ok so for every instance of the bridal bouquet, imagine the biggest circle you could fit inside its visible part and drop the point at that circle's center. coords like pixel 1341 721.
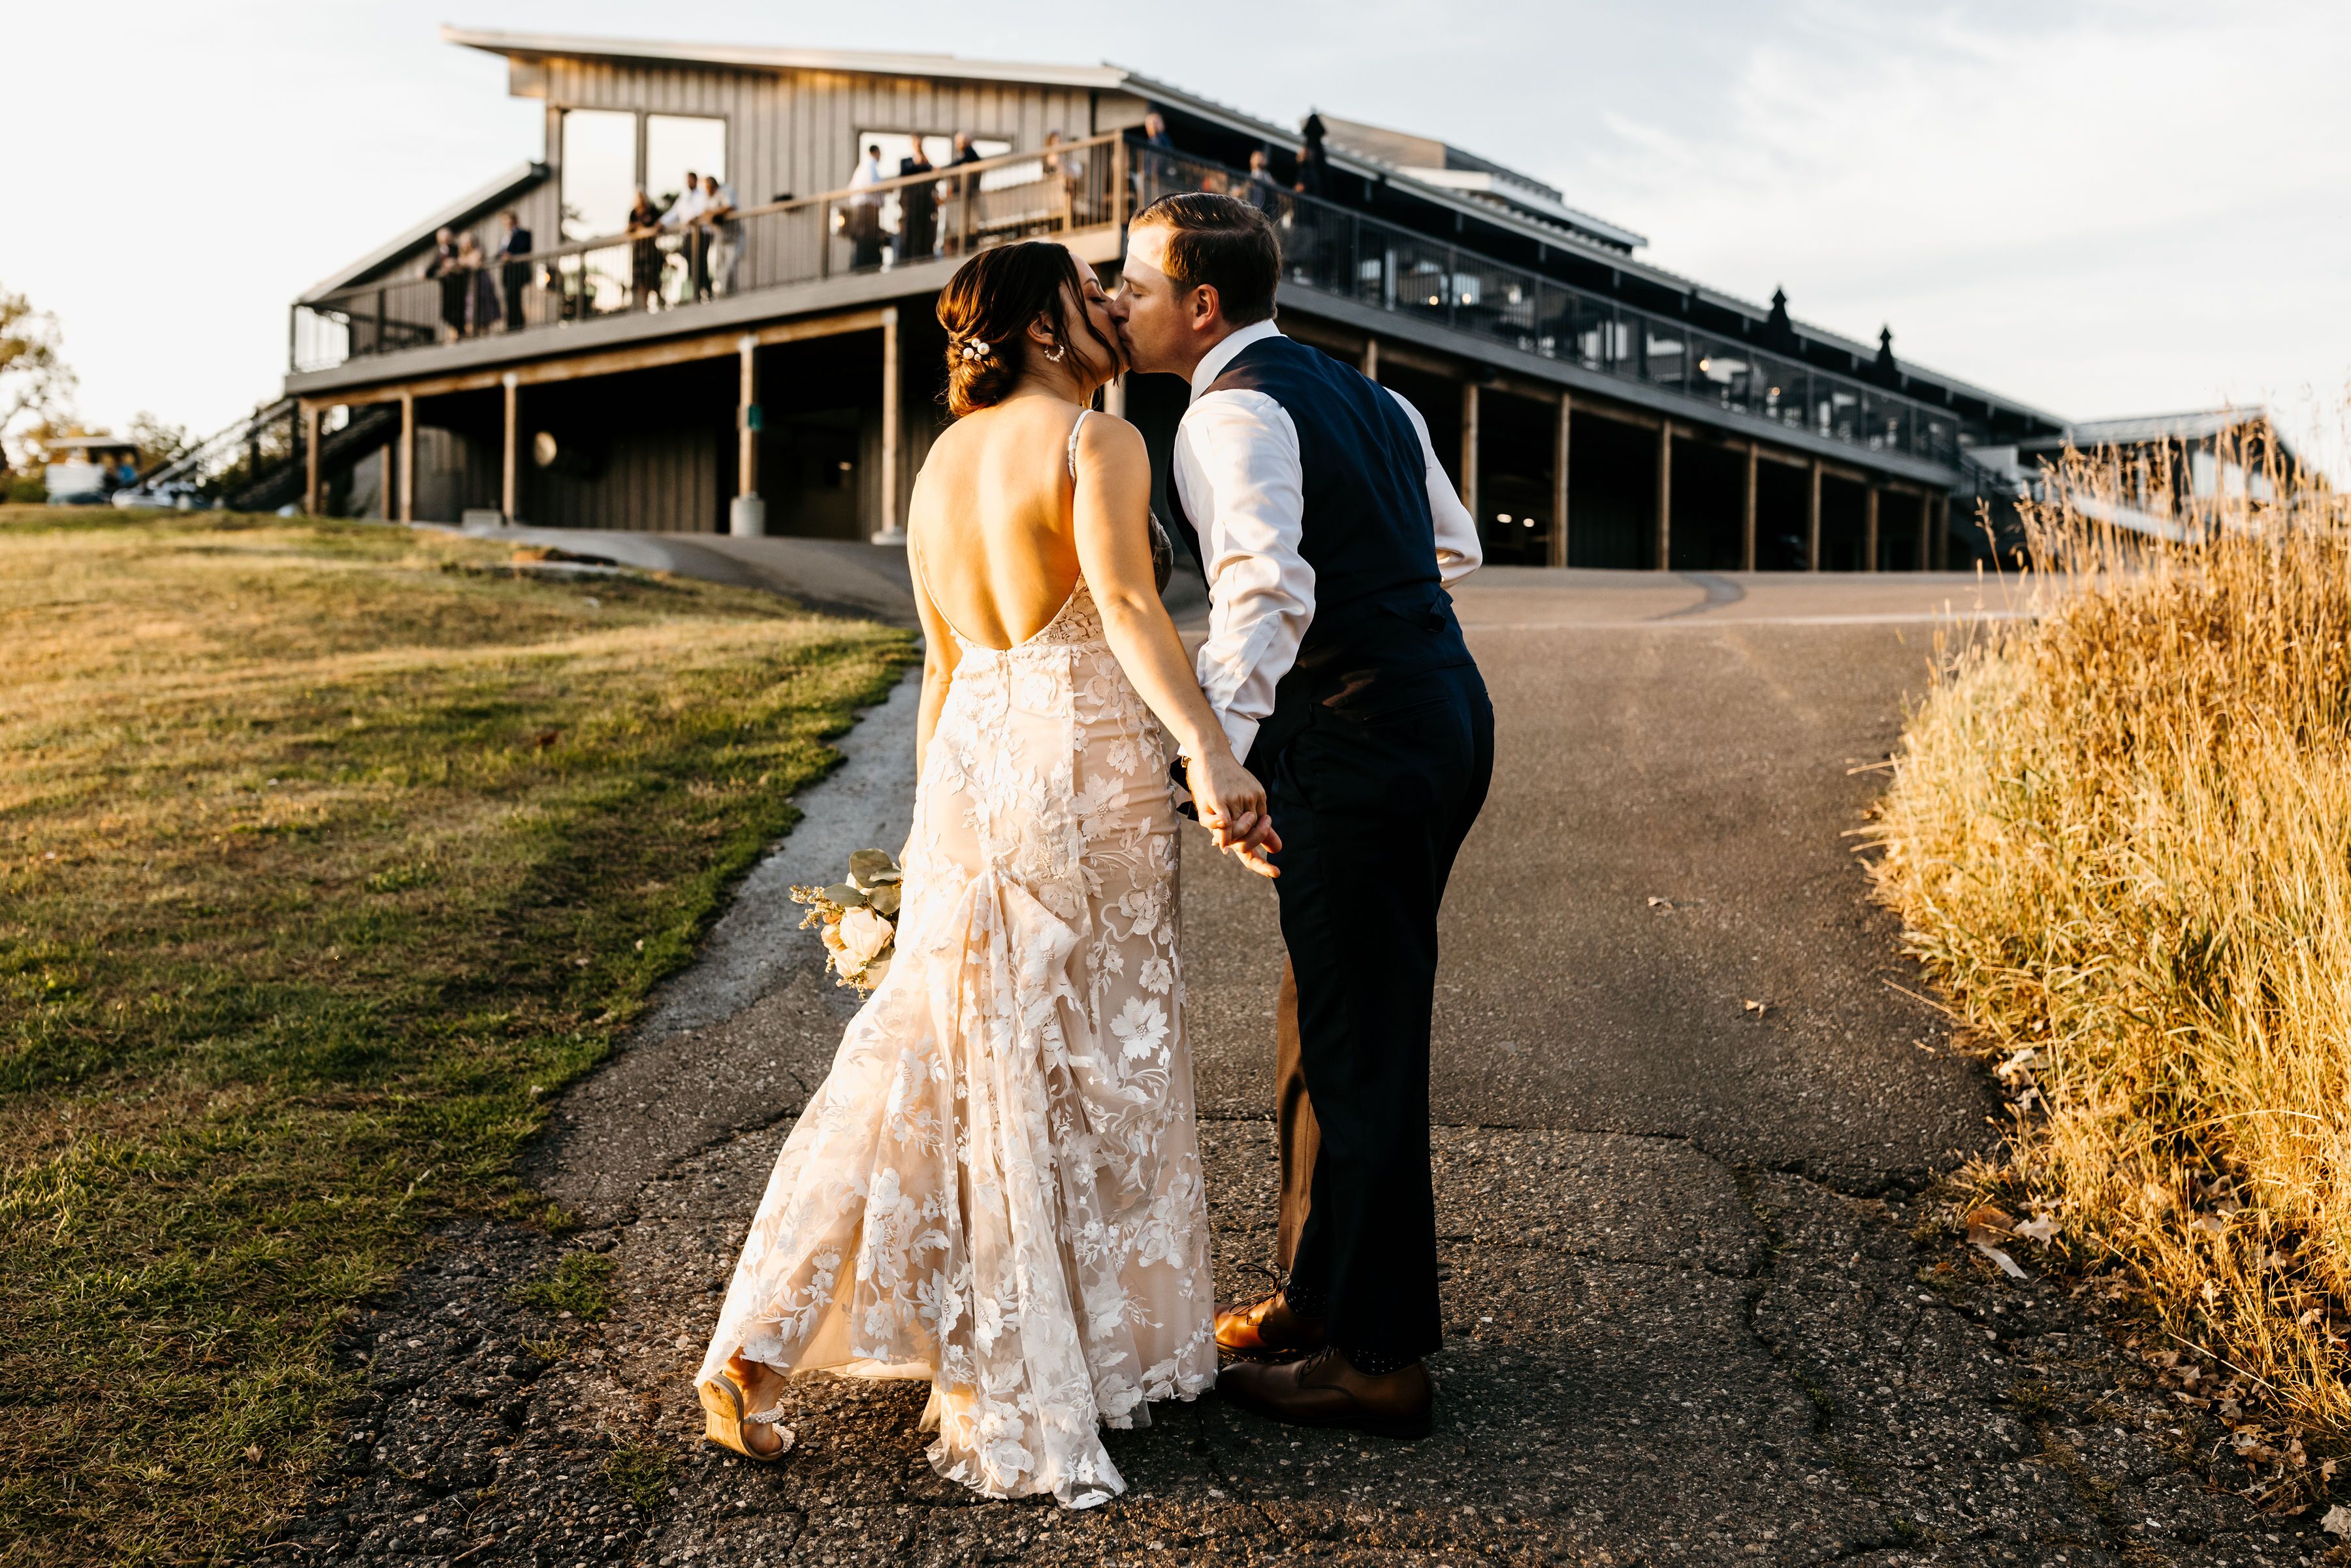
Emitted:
pixel 859 917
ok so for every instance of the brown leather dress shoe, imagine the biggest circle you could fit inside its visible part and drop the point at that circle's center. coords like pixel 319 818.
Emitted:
pixel 1324 1390
pixel 1267 1330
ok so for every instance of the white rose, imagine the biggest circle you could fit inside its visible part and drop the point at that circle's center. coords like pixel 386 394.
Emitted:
pixel 863 935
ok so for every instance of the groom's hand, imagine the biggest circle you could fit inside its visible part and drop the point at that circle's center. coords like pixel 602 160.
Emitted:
pixel 1230 801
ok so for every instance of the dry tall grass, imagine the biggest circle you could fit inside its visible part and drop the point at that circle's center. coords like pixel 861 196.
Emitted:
pixel 2120 836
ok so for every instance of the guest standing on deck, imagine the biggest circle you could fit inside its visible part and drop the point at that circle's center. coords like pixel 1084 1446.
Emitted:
pixel 514 276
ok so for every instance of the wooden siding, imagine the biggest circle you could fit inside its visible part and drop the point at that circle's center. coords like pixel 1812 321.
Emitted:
pixel 788 133
pixel 796 132
pixel 662 481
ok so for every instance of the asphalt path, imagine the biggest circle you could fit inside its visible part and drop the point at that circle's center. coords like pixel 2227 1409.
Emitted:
pixel 1688 1097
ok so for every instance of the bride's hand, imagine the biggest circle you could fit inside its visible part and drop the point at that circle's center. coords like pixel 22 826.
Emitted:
pixel 1256 852
pixel 1229 800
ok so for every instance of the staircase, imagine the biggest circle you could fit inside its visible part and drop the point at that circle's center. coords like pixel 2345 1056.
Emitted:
pixel 258 462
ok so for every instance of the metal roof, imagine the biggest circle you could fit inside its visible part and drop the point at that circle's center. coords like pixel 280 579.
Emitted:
pixel 872 62
pixel 458 214
pixel 2197 425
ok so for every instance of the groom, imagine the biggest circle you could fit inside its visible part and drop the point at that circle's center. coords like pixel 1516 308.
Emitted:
pixel 1328 532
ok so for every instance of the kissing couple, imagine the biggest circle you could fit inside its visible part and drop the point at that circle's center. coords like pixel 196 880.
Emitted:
pixel 999 1186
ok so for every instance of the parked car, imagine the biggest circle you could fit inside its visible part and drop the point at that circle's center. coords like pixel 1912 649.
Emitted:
pixel 170 495
pixel 85 470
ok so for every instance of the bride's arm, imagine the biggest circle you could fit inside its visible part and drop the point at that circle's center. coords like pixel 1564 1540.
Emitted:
pixel 1113 500
pixel 938 665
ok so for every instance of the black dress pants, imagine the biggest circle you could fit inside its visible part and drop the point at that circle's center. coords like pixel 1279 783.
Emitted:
pixel 1373 800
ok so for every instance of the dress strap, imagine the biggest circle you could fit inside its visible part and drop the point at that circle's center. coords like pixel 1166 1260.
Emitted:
pixel 1073 440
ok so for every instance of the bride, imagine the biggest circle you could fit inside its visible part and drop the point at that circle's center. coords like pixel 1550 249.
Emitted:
pixel 999 1186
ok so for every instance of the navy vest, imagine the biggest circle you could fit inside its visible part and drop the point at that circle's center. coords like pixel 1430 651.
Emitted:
pixel 1381 612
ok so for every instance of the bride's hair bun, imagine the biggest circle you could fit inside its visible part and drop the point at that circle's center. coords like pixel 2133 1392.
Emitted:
pixel 988 308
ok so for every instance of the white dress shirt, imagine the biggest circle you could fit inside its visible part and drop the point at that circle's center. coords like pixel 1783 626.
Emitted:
pixel 1240 479
pixel 686 209
pixel 869 172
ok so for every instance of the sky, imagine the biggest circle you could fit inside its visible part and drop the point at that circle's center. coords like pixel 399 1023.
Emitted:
pixel 2098 207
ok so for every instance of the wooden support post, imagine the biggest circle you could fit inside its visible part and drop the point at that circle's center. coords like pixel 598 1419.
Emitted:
pixel 889 533
pixel 1869 528
pixel 1926 535
pixel 746 438
pixel 1470 452
pixel 310 497
pixel 509 471
pixel 1943 533
pixel 1747 515
pixel 1371 358
pixel 407 462
pixel 746 514
pixel 1812 523
pixel 1120 180
pixel 1559 484
pixel 1665 494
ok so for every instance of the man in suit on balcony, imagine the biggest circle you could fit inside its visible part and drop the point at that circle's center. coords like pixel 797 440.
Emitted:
pixel 514 274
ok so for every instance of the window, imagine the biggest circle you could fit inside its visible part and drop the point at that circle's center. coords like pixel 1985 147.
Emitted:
pixel 897 144
pixel 677 145
pixel 600 166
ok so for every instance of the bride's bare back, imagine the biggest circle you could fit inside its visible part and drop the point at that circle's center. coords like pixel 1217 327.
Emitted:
pixel 990 524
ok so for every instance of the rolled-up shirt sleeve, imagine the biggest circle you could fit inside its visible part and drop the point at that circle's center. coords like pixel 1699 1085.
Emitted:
pixel 1458 551
pixel 1238 471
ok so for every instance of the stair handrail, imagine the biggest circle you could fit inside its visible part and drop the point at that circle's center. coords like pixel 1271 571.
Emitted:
pixel 204 454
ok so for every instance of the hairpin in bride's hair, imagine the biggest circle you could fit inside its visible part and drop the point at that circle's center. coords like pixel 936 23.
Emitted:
pixel 975 349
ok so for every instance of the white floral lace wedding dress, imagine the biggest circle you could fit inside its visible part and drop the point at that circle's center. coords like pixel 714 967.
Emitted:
pixel 999 1186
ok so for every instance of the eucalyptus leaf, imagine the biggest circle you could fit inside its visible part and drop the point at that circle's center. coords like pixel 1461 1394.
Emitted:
pixel 845 895
pixel 885 899
pixel 869 867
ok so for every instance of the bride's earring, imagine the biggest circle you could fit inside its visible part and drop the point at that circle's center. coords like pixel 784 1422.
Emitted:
pixel 1056 355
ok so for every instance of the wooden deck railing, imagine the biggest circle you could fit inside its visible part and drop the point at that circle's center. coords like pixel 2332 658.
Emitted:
pixel 952 211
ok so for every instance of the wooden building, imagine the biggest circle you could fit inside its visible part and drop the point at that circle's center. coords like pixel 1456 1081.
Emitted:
pixel 782 373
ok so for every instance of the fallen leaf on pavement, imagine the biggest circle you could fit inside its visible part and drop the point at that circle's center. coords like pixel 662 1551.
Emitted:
pixel 1758 1009
pixel 2007 1264
pixel 1988 1224
pixel 2041 1228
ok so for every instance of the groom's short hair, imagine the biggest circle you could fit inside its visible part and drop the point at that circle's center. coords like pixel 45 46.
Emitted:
pixel 1223 242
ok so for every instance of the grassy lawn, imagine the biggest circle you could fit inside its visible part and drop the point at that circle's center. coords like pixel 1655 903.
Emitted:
pixel 2121 838
pixel 327 853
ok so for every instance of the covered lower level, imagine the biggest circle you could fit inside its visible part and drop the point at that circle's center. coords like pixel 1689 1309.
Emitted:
pixel 814 426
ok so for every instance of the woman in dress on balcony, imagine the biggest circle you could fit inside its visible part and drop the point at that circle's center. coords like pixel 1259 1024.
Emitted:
pixel 445 267
pixel 644 255
pixel 481 294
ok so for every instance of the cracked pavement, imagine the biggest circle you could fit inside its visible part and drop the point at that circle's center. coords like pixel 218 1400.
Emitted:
pixel 1697 1309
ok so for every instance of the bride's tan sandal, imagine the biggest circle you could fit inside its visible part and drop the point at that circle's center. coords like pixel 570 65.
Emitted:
pixel 724 1416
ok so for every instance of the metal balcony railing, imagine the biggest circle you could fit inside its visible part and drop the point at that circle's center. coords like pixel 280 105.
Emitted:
pixel 1338 251
pixel 1094 183
pixel 1054 192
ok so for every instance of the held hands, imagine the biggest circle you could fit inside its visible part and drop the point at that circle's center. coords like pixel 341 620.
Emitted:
pixel 1231 805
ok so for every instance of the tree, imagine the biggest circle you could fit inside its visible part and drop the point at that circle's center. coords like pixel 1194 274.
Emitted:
pixel 157 443
pixel 36 384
